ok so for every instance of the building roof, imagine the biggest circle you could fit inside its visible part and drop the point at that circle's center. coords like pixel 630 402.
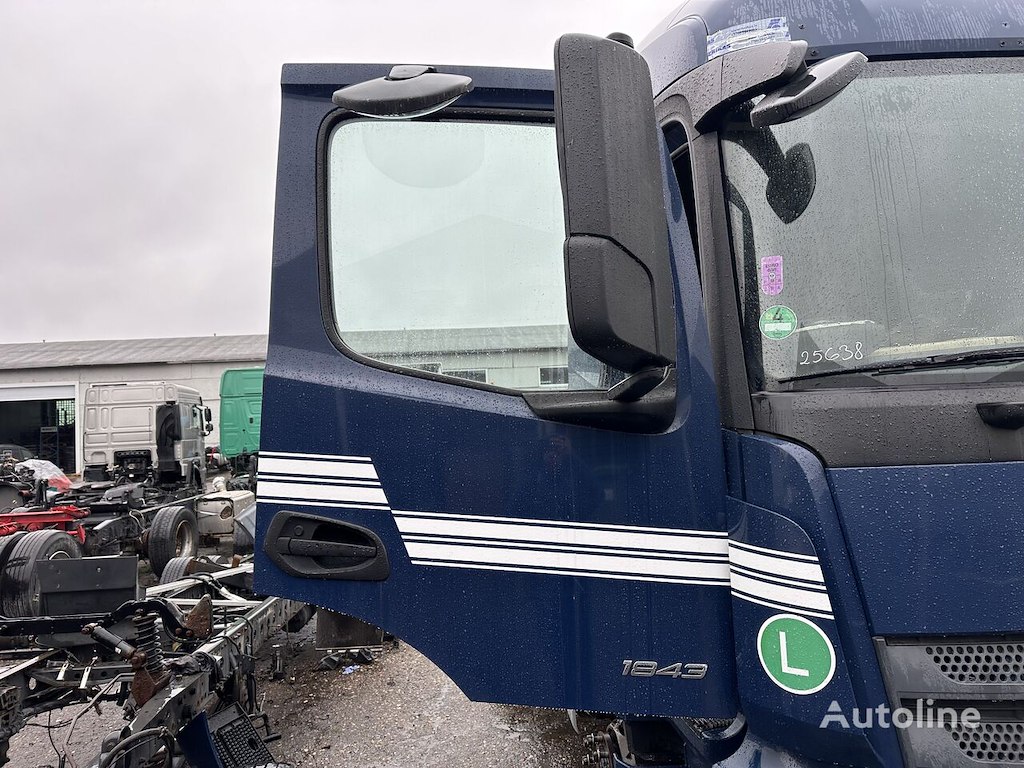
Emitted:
pixel 191 349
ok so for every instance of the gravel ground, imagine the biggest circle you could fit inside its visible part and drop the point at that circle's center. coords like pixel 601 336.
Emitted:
pixel 403 711
pixel 396 712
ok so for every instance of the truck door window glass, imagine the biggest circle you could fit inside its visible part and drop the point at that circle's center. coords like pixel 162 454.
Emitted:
pixel 445 250
pixel 554 375
pixel 910 249
pixel 469 374
pixel 682 164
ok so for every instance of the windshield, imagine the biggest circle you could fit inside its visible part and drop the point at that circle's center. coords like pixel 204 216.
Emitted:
pixel 886 228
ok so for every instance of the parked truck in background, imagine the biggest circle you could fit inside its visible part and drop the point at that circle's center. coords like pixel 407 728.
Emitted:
pixel 684 385
pixel 241 403
pixel 145 431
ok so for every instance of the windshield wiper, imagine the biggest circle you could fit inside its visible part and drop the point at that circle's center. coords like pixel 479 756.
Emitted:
pixel 951 360
pixel 979 357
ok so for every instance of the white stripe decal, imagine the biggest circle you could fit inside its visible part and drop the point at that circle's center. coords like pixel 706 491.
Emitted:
pixel 777 579
pixel 771 564
pixel 564 572
pixel 566 534
pixel 347 493
pixel 768 577
pixel 533 521
pixel 584 548
pixel 790 608
pixel 790 596
pixel 311 468
pixel 318 480
pixel 623 566
pixel 321 456
pixel 330 504
pixel 773 552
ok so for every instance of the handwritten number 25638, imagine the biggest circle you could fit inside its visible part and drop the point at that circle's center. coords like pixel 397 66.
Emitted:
pixel 843 353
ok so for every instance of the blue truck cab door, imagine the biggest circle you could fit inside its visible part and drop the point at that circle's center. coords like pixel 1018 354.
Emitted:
pixel 440 456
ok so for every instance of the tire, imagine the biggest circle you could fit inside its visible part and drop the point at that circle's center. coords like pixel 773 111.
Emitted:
pixel 7 546
pixel 176 569
pixel 19 583
pixel 242 541
pixel 174 533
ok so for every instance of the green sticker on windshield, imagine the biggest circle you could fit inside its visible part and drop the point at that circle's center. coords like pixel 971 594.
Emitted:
pixel 778 323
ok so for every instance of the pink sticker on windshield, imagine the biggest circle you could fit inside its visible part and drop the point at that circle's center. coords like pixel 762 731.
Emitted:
pixel 771 275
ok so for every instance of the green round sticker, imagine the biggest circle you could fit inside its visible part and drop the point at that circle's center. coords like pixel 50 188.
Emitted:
pixel 778 323
pixel 796 654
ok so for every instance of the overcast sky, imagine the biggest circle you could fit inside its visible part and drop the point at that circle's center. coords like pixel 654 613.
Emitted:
pixel 138 142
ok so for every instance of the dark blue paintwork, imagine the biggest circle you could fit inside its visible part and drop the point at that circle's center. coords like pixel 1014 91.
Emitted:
pixel 903 550
pixel 876 28
pixel 937 548
pixel 780 498
pixel 552 641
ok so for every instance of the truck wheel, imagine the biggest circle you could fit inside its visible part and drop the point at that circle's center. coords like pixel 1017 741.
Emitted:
pixel 174 533
pixel 177 568
pixel 7 545
pixel 242 541
pixel 19 583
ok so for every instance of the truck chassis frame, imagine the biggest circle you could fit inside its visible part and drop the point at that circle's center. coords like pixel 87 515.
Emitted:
pixel 162 691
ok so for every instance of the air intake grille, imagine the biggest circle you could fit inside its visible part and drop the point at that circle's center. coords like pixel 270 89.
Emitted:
pixel 995 663
pixel 992 742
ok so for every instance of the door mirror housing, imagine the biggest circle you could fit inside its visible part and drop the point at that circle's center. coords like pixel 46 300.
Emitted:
pixel 817 86
pixel 617 267
pixel 407 91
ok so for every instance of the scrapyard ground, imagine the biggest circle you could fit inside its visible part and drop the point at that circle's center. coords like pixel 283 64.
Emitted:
pixel 396 712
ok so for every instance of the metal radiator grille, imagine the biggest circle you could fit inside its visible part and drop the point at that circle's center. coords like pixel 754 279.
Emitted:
pixel 991 742
pixel 994 663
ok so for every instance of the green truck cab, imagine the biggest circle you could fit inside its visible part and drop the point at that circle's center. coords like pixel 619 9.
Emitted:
pixel 241 400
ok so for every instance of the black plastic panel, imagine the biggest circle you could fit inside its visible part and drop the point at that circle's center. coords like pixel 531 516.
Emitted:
pixel 981 673
pixel 888 426
pixel 618 271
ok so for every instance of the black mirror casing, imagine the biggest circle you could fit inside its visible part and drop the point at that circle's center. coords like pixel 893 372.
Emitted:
pixel 821 83
pixel 714 88
pixel 407 91
pixel 618 272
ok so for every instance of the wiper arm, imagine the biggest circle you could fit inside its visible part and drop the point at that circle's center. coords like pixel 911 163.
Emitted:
pixel 979 357
pixel 857 376
pixel 951 360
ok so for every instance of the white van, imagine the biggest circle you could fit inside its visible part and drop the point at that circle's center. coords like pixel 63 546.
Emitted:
pixel 145 429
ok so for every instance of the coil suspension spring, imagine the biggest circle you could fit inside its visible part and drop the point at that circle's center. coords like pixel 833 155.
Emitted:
pixel 148 642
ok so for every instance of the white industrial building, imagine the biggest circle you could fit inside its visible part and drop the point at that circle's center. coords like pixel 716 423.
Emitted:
pixel 42 384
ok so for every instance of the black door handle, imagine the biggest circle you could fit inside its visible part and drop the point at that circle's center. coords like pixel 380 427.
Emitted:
pixel 311 548
pixel 1002 415
pixel 315 547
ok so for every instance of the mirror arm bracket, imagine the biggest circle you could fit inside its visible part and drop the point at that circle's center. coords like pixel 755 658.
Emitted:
pixel 641 383
pixel 651 413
